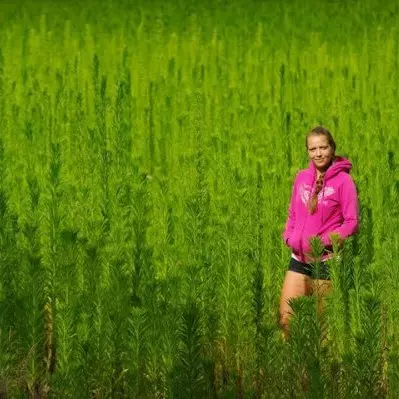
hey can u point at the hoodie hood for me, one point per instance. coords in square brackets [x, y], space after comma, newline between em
[340, 164]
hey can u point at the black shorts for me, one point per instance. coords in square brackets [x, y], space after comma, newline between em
[309, 270]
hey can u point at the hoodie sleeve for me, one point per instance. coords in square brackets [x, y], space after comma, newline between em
[290, 223]
[350, 212]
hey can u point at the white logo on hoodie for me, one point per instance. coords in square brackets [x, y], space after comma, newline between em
[305, 192]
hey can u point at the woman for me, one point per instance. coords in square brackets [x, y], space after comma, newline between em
[323, 201]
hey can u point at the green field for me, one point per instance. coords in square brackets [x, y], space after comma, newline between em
[147, 155]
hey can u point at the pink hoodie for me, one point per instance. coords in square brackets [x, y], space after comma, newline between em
[337, 208]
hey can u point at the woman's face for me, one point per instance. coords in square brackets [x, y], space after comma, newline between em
[320, 151]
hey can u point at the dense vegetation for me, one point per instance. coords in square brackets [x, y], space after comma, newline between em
[147, 154]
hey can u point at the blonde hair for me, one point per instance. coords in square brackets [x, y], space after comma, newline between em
[312, 204]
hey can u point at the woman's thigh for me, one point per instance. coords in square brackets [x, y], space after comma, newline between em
[295, 285]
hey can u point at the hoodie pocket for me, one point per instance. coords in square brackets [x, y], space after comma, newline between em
[294, 241]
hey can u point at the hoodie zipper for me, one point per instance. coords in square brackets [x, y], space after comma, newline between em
[301, 254]
[322, 201]
[307, 213]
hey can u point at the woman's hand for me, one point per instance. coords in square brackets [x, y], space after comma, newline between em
[293, 243]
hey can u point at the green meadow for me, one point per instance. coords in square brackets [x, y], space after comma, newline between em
[147, 155]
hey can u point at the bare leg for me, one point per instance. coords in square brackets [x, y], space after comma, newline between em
[295, 285]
